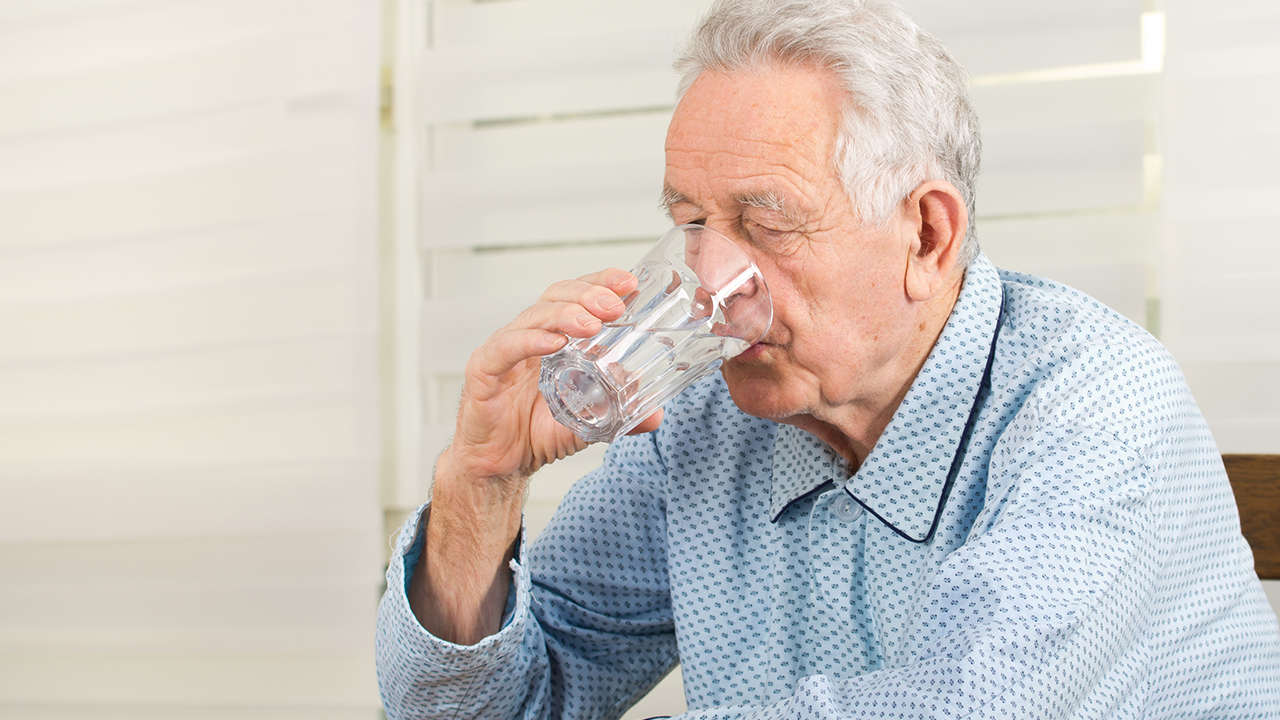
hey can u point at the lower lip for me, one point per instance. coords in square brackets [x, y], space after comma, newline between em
[752, 352]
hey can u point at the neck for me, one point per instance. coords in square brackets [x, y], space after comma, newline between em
[854, 428]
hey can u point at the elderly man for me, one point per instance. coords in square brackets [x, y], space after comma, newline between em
[935, 489]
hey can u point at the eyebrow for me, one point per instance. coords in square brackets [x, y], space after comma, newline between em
[763, 199]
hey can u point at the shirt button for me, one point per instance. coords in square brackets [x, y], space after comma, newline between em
[846, 509]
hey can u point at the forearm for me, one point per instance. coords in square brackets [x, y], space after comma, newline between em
[460, 584]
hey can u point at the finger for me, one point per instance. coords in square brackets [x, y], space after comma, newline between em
[599, 293]
[612, 278]
[508, 348]
[561, 317]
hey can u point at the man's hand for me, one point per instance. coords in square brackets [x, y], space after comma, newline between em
[504, 433]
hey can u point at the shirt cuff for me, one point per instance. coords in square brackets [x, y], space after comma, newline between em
[402, 634]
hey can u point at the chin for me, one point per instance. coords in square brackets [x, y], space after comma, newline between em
[756, 391]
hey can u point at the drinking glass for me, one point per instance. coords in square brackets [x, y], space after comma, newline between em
[699, 302]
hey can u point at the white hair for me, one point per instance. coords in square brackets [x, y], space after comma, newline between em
[909, 118]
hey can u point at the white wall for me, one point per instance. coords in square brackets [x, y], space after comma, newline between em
[189, 507]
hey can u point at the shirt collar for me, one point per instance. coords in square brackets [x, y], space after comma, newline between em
[903, 480]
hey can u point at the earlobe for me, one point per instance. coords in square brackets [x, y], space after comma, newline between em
[940, 222]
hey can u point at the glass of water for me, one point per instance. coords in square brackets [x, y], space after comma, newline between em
[700, 301]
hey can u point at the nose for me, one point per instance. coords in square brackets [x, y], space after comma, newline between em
[731, 280]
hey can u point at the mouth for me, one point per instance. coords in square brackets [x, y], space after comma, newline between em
[754, 352]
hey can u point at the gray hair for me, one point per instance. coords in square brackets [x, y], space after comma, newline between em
[909, 118]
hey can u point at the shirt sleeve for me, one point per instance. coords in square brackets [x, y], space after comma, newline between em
[1038, 612]
[589, 629]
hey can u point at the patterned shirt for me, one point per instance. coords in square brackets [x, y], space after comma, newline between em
[1044, 530]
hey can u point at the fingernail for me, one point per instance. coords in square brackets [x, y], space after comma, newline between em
[587, 320]
[609, 303]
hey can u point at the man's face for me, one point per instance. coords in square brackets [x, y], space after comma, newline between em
[751, 155]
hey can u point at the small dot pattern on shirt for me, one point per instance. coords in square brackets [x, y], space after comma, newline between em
[1086, 560]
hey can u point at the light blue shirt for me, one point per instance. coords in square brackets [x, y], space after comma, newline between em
[1044, 530]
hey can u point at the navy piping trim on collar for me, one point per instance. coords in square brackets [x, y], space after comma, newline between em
[984, 389]
[828, 485]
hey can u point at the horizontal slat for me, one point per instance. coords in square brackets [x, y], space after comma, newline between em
[1012, 17]
[1215, 246]
[113, 503]
[1026, 171]
[1219, 161]
[595, 201]
[247, 310]
[114, 152]
[308, 429]
[1102, 255]
[196, 618]
[993, 51]
[1025, 244]
[1251, 435]
[109, 269]
[269, 573]
[247, 73]
[1223, 106]
[988, 36]
[1072, 168]
[210, 711]
[1243, 303]
[232, 190]
[614, 71]
[1091, 102]
[452, 328]
[61, 45]
[21, 12]
[1236, 390]
[463, 147]
[522, 274]
[1199, 27]
[461, 24]
[297, 679]
[39, 393]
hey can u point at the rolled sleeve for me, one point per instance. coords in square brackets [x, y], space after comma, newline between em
[422, 676]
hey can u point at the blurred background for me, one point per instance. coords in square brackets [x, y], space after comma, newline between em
[247, 245]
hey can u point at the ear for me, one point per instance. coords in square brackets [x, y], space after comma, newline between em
[935, 219]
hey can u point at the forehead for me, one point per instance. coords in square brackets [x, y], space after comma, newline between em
[742, 124]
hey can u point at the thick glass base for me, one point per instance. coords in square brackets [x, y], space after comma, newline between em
[582, 399]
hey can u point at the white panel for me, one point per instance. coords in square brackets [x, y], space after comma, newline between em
[1221, 269]
[189, 523]
[1056, 169]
